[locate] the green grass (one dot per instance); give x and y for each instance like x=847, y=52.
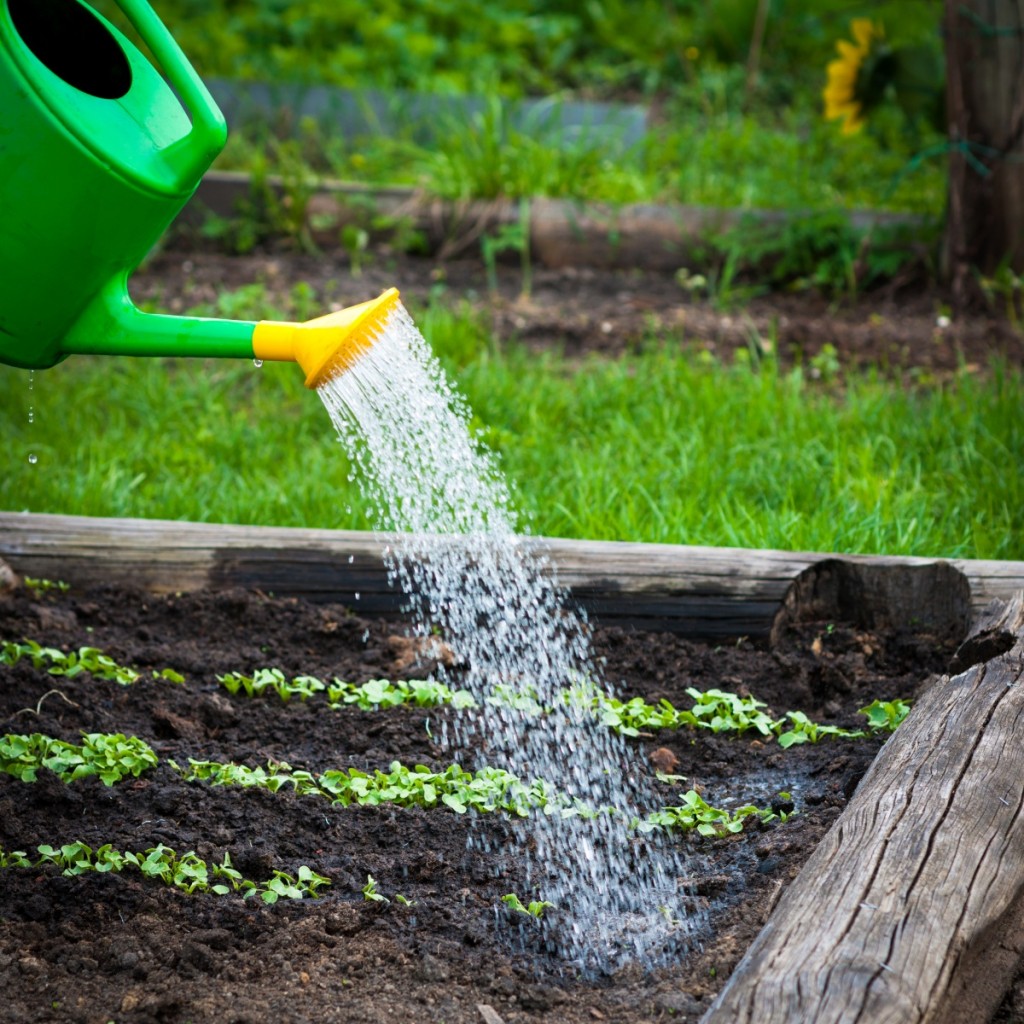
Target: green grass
x=661, y=446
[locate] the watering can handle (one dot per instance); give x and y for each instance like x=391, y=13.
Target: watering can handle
x=192, y=154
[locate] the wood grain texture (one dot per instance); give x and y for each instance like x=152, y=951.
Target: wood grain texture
x=696, y=591
x=909, y=910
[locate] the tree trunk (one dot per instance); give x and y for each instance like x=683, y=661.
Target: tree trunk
x=985, y=111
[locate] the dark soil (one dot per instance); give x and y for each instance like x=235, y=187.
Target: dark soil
x=100, y=948
x=898, y=330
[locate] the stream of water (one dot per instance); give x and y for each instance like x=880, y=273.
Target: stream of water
x=493, y=596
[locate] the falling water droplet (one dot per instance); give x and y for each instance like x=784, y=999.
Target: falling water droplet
x=357, y=595
x=33, y=458
x=351, y=559
x=495, y=601
x=31, y=414
x=257, y=363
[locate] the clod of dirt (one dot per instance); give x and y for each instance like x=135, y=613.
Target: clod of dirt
x=663, y=760
x=217, y=712
x=679, y=1005
x=419, y=656
x=167, y=725
x=61, y=620
x=8, y=580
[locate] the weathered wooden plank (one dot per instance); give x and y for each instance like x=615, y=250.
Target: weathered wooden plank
x=697, y=591
x=909, y=910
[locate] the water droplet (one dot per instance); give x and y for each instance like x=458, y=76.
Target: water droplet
x=351, y=559
x=257, y=363
x=31, y=414
x=357, y=595
x=33, y=458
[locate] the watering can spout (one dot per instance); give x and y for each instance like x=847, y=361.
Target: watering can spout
x=328, y=345
x=99, y=151
x=112, y=325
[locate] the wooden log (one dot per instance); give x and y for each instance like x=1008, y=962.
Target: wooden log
x=910, y=910
x=562, y=232
x=706, y=593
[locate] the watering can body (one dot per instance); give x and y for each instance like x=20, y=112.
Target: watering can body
x=98, y=154
x=97, y=157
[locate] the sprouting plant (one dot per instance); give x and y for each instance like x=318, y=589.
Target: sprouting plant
x=721, y=711
x=803, y=730
x=39, y=587
x=111, y=756
x=514, y=237
x=233, y=879
x=404, y=900
x=886, y=715
x=275, y=681
x=355, y=240
x=695, y=812
x=187, y=872
x=59, y=663
x=14, y=859
x=169, y=675
x=293, y=887
x=370, y=891
x=535, y=908
x=11, y=653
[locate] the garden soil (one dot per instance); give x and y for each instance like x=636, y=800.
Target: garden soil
x=902, y=330
x=99, y=947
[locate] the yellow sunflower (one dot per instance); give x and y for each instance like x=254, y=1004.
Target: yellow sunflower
x=842, y=98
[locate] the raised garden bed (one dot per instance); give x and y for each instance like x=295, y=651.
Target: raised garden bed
x=824, y=636
x=559, y=232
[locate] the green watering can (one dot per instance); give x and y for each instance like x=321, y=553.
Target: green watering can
x=97, y=157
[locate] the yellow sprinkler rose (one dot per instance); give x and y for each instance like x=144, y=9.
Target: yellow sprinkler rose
x=841, y=95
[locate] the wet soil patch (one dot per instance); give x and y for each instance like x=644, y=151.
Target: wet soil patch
x=97, y=948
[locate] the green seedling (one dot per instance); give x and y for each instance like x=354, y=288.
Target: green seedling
x=40, y=587
x=534, y=909
x=803, y=730
x=14, y=859
x=721, y=711
x=59, y=663
x=717, y=710
x=370, y=891
x=285, y=886
x=694, y=812
x=169, y=675
x=355, y=241
x=404, y=900
x=271, y=679
x=187, y=872
x=886, y=715
x=112, y=757
x=488, y=790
